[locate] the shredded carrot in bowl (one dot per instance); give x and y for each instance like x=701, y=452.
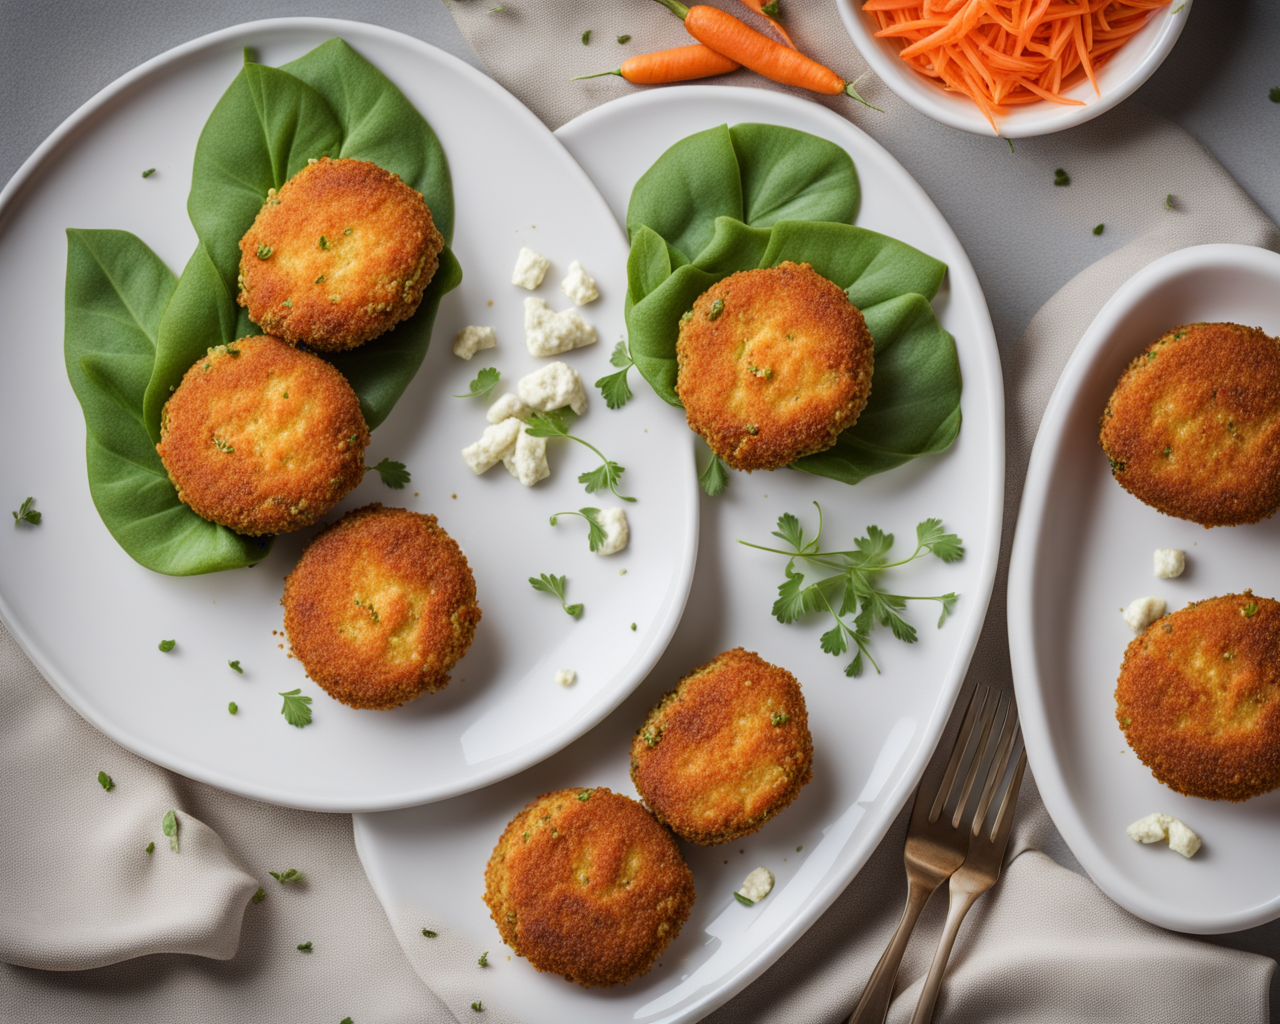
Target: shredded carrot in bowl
x=1007, y=53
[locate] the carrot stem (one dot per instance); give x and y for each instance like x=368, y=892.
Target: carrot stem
x=598, y=74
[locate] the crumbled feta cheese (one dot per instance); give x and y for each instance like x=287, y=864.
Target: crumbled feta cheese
x=470, y=340
x=506, y=407
x=579, y=285
x=548, y=333
x=1169, y=563
x=553, y=387
x=616, y=533
x=566, y=676
x=527, y=459
x=757, y=885
x=497, y=439
x=1155, y=827
x=1144, y=611
x=530, y=269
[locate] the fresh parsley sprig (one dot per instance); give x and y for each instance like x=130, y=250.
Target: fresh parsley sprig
x=614, y=387
x=555, y=585
x=556, y=424
x=595, y=532
x=296, y=709
x=393, y=474
x=290, y=876
x=26, y=514
x=852, y=589
x=486, y=380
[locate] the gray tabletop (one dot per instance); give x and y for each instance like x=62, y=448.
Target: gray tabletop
x=1215, y=84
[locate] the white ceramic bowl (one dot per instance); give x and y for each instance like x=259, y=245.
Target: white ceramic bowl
x=1132, y=65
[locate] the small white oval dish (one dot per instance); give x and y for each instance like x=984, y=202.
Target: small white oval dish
x=1083, y=549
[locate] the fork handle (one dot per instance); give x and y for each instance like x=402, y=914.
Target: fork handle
x=873, y=1007
x=956, y=910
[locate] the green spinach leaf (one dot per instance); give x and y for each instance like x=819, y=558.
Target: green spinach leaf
x=117, y=291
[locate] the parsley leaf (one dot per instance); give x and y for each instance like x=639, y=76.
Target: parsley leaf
x=170, y=828
x=614, y=387
x=484, y=959
x=393, y=474
x=167, y=645
x=486, y=380
x=296, y=710
x=555, y=585
x=290, y=875
x=151, y=847
x=595, y=532
x=305, y=947
x=556, y=424
x=26, y=514
x=715, y=478
x=429, y=933
x=104, y=780
x=853, y=590
x=235, y=667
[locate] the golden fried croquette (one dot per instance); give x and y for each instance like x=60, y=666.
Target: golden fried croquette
x=340, y=254
x=380, y=607
x=1198, y=697
x=1193, y=427
x=586, y=884
x=724, y=751
x=773, y=364
x=261, y=437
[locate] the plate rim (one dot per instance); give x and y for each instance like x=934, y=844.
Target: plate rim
x=1028, y=684
x=833, y=886
x=14, y=192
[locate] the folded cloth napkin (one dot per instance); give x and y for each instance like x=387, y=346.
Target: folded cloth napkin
x=78, y=891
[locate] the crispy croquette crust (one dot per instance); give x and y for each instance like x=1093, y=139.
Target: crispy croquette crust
x=380, y=607
x=1198, y=698
x=710, y=761
x=590, y=887
x=773, y=364
x=346, y=252
x=261, y=437
x=1193, y=427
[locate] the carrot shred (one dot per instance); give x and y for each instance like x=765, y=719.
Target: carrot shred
x=1009, y=53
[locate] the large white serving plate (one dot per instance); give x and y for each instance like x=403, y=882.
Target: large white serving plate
x=872, y=736
x=1083, y=549
x=91, y=618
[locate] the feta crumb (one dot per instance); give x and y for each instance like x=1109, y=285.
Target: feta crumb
x=757, y=885
x=566, y=676
x=527, y=459
x=506, y=407
x=579, y=285
x=470, y=340
x=548, y=333
x=530, y=269
x=497, y=439
x=616, y=533
x=1169, y=563
x=1155, y=827
x=1144, y=611
x=553, y=387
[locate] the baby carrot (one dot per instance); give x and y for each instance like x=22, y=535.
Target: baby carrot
x=726, y=34
x=681, y=64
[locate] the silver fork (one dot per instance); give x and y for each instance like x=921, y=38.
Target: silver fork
x=936, y=847
x=981, y=868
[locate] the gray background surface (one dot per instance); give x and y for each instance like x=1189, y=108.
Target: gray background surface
x=1025, y=240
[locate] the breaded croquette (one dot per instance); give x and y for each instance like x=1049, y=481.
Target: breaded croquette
x=724, y=751
x=339, y=255
x=586, y=884
x=1193, y=427
x=773, y=364
x=380, y=607
x=262, y=437
x=1198, y=697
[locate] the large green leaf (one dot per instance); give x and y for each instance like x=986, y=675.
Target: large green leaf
x=753, y=173
x=117, y=291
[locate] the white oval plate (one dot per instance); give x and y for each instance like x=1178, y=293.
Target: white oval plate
x=91, y=618
x=1083, y=549
x=872, y=736
x=1135, y=62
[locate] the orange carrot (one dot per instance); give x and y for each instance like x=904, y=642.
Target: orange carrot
x=1008, y=53
x=726, y=34
x=681, y=64
x=769, y=11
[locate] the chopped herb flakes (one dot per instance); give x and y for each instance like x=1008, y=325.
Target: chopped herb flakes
x=770, y=9
x=586, y=37
x=624, y=39
x=151, y=847
x=484, y=959
x=555, y=585
x=288, y=876
x=258, y=896
x=104, y=780
x=743, y=900
x=1249, y=610
x=652, y=739
x=478, y=1006
x=346, y=1020
x=486, y=380
x=585, y=795
x=780, y=718
x=296, y=709
x=429, y=933
x=233, y=707
x=167, y=645
x=264, y=251
x=717, y=307
x=222, y=446
x=26, y=514
x=235, y=667
x=393, y=474
x=1099, y=229
x=169, y=826
x=324, y=242
x=148, y=172
x=305, y=947
x=1275, y=89
x=633, y=627
x=1061, y=178
x=1168, y=201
